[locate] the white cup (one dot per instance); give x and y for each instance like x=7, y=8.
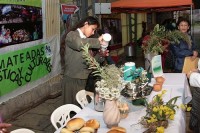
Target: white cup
x=106, y=37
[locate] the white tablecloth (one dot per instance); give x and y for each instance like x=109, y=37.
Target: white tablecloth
x=176, y=85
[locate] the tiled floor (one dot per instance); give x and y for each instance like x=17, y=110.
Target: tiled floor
x=38, y=118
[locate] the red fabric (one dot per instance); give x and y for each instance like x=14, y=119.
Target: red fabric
x=141, y=5
x=150, y=3
x=115, y=58
x=114, y=47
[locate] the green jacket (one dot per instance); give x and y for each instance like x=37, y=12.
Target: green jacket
x=75, y=66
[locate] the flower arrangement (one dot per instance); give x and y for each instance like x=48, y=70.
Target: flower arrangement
x=158, y=113
x=159, y=39
x=111, y=82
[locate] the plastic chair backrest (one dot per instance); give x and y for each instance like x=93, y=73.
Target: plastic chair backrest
x=190, y=64
x=81, y=97
x=22, y=130
x=61, y=115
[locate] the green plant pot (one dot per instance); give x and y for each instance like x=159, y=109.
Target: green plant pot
x=139, y=102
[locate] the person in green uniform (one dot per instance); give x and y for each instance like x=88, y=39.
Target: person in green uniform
x=76, y=71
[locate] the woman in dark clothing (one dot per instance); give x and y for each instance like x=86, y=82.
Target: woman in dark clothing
x=183, y=49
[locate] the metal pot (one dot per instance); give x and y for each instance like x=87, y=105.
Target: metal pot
x=130, y=50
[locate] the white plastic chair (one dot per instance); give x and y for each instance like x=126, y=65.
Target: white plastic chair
x=22, y=130
x=61, y=115
x=82, y=99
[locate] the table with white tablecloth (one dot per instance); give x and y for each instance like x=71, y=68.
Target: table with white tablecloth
x=176, y=84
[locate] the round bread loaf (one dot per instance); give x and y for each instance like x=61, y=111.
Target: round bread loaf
x=92, y=123
x=119, y=129
x=75, y=124
x=87, y=129
x=65, y=130
x=115, y=131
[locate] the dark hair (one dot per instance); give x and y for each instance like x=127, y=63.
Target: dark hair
x=182, y=19
x=91, y=21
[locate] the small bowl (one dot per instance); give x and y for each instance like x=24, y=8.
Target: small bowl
x=157, y=87
x=160, y=80
x=124, y=110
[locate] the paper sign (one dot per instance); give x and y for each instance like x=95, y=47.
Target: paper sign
x=69, y=9
x=156, y=64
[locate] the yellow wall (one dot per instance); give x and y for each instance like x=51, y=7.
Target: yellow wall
x=52, y=17
x=125, y=26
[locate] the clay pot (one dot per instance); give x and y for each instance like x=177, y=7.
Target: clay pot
x=157, y=87
x=123, y=109
x=111, y=114
x=160, y=80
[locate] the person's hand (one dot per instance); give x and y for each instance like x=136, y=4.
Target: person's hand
x=101, y=39
x=188, y=74
x=4, y=127
x=194, y=70
x=104, y=53
x=103, y=42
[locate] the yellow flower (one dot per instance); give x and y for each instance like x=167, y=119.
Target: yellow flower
x=160, y=129
x=182, y=106
x=155, y=109
x=162, y=107
x=185, y=107
x=189, y=108
x=154, y=116
x=171, y=117
x=160, y=95
x=167, y=113
x=164, y=91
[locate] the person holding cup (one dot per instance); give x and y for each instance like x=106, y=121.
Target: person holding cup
x=75, y=68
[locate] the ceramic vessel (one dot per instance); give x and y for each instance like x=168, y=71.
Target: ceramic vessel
x=111, y=113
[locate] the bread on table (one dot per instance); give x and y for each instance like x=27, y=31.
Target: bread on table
x=65, y=130
x=87, y=129
x=75, y=124
x=92, y=123
x=117, y=130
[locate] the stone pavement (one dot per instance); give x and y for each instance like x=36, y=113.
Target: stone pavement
x=38, y=118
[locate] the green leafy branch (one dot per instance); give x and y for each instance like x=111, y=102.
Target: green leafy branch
x=91, y=62
x=159, y=37
x=109, y=73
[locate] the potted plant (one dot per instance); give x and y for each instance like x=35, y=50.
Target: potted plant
x=108, y=87
x=159, y=113
x=158, y=41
